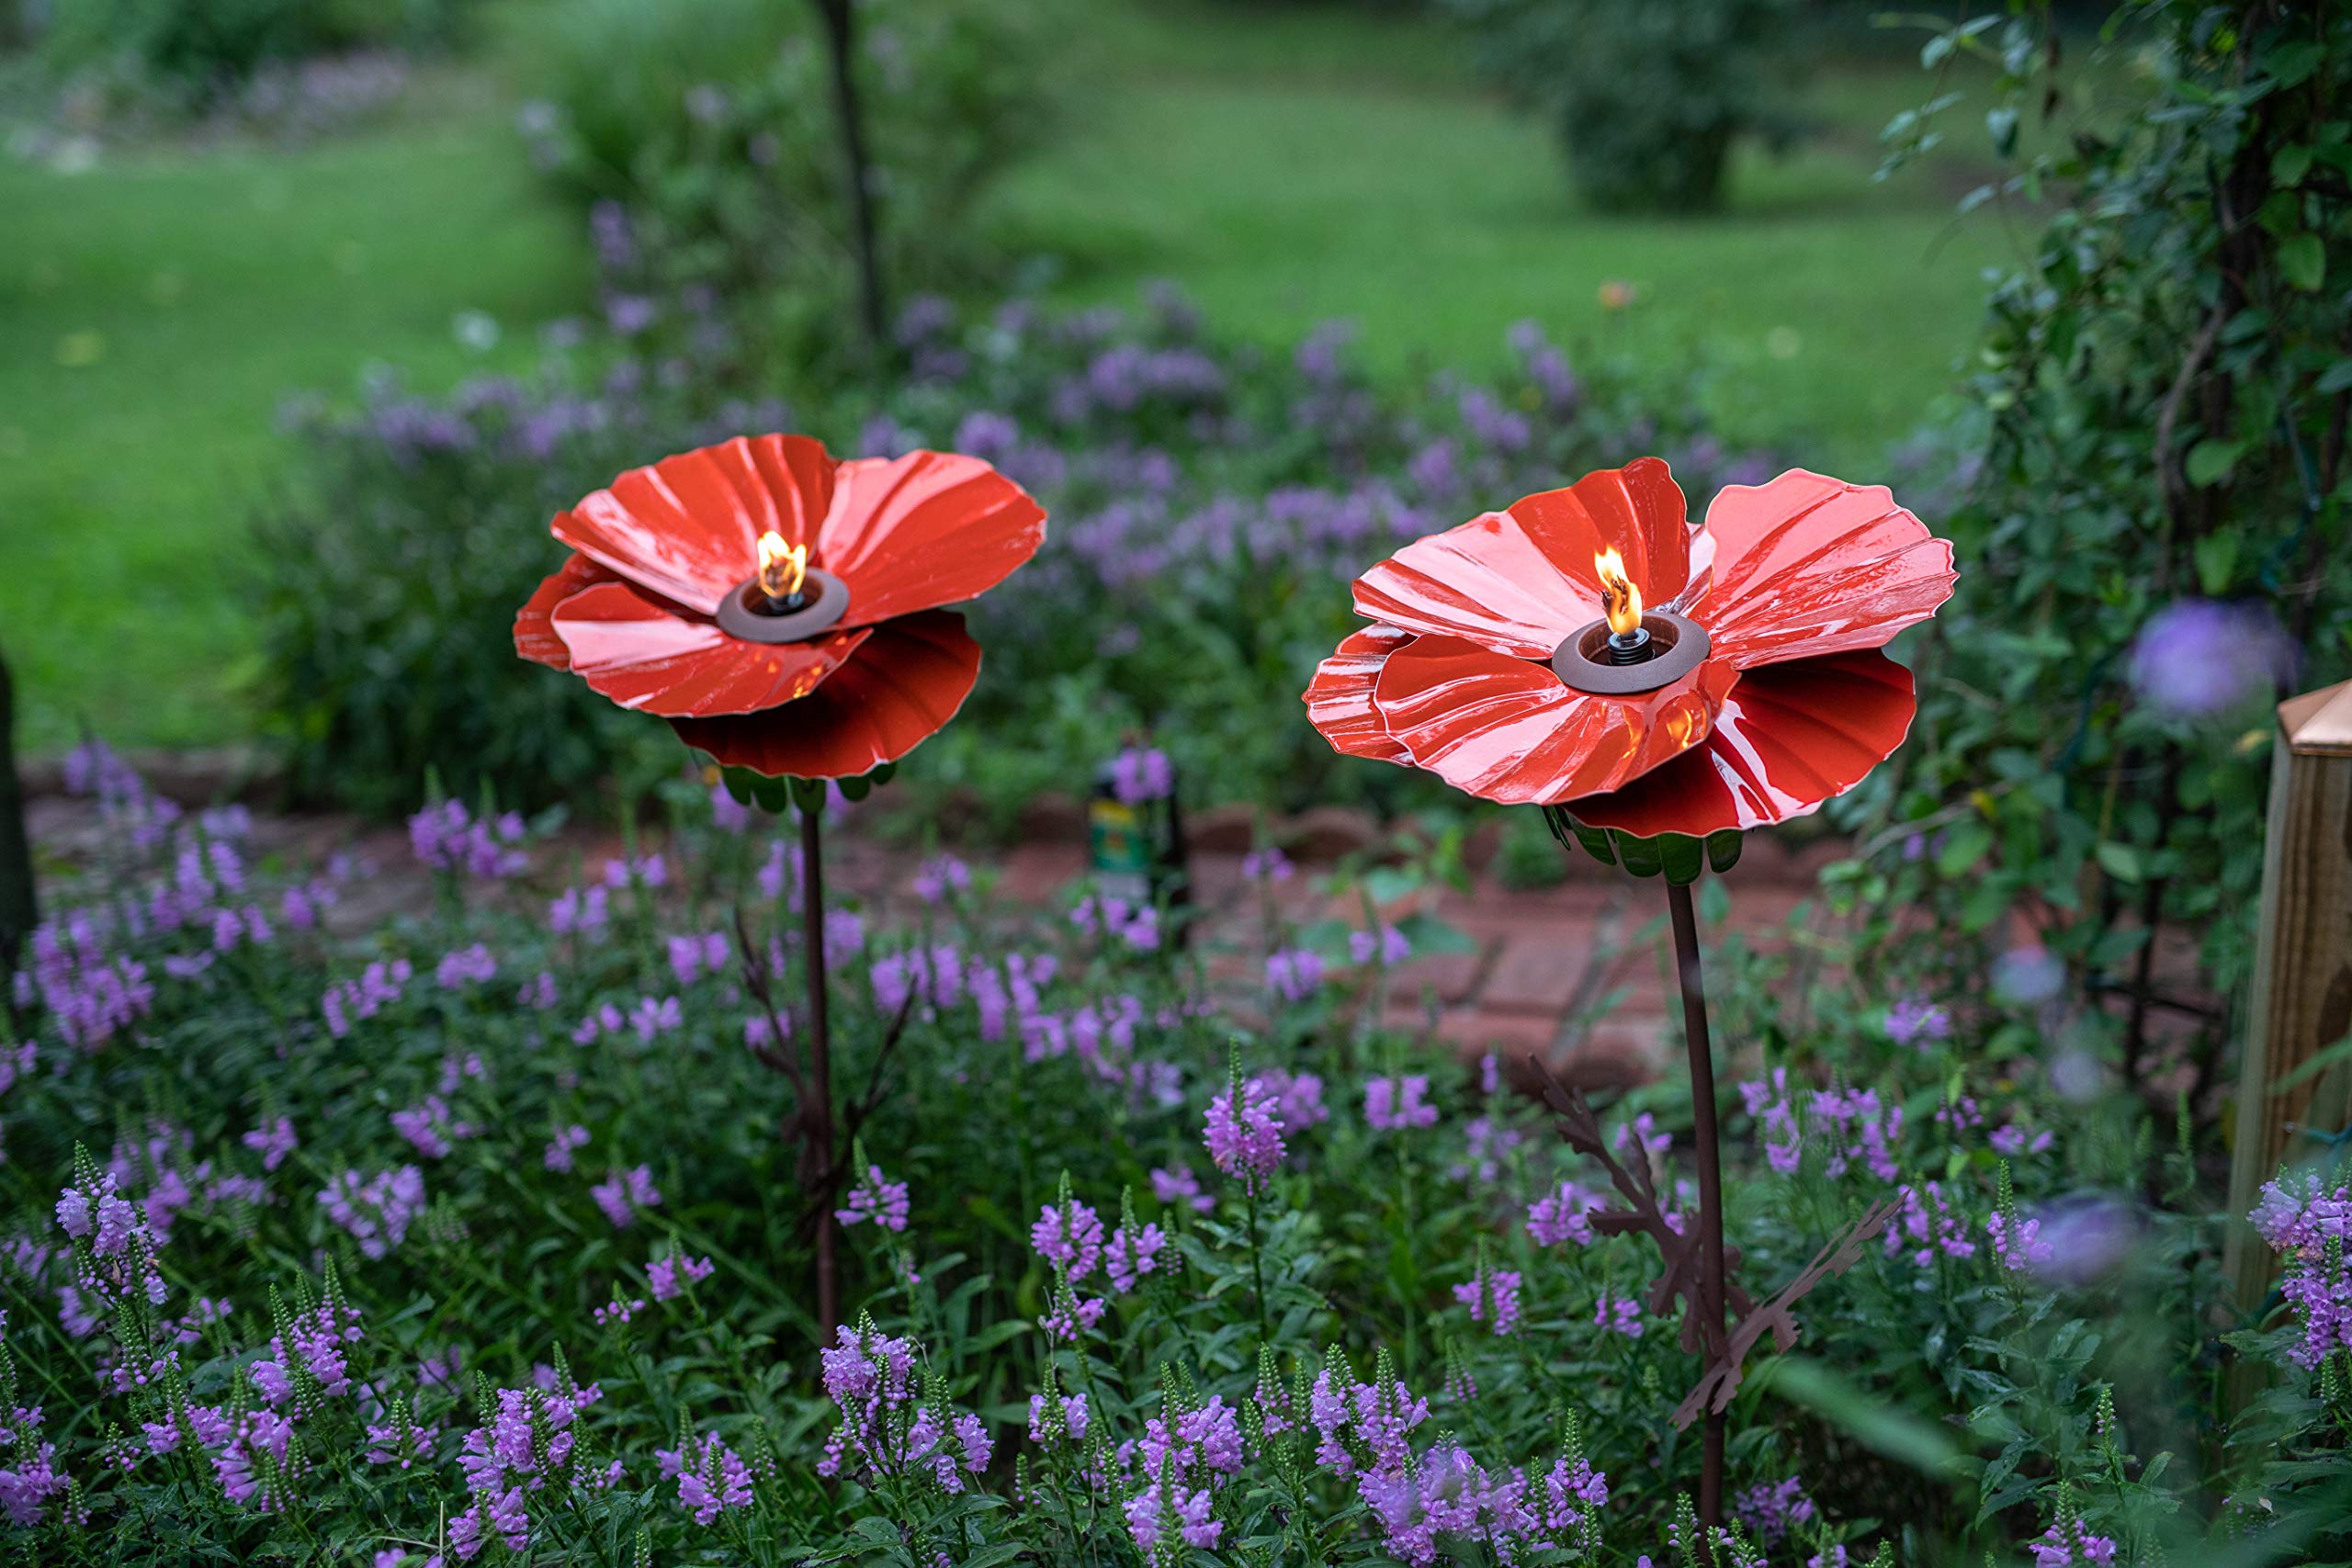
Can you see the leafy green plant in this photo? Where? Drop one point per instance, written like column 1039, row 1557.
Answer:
column 1648, row 99
column 387, row 604
column 2149, row 500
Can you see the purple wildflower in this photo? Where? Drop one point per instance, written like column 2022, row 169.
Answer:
column 877, row 1199
column 1614, row 1314
column 1392, row 1105
column 1294, row 974
column 1179, row 1186
column 622, row 1193
column 2201, row 657
column 273, row 1142
column 1243, row 1135
column 670, row 1276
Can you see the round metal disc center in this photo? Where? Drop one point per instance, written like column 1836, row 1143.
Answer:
column 1582, row 658
column 743, row 611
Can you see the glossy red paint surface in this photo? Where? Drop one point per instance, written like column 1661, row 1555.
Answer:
column 906, row 682
column 1338, row 700
column 1519, row 581
column 644, row 654
column 688, row 527
column 534, row 636
column 1791, row 736
column 904, row 534
column 1510, row 730
column 1797, row 582
column 927, row 529
column 1808, row 566
column 656, row 550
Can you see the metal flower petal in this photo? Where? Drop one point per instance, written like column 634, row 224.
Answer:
column 1340, row 698
column 688, row 527
column 1518, row 581
column 896, row 691
column 651, row 656
column 534, row 636
column 1510, row 730
column 1789, row 737
column 1807, row 565
column 931, row 528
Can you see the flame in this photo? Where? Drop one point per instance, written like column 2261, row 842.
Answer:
column 1621, row 601
column 783, row 568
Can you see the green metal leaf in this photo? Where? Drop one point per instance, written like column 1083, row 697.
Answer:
column 1722, row 849
column 1642, row 857
column 1682, row 857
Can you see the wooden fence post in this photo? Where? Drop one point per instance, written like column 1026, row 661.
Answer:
column 2301, row 998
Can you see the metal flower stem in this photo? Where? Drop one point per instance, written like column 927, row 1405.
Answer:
column 1710, row 1179
column 818, row 1121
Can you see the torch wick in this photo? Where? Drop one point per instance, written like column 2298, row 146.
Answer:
column 1632, row 648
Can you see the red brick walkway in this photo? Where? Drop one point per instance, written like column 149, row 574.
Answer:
column 1575, row 973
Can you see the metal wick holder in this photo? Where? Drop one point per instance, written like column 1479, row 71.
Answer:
column 1582, row 660
column 744, row 612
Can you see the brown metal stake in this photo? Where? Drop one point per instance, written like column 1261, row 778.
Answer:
column 818, row 1127
column 1711, row 1182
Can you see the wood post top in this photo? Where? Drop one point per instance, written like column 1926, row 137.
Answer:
column 2319, row 724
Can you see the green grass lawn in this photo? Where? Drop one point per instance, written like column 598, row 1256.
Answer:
column 155, row 311
column 1285, row 166
column 1322, row 163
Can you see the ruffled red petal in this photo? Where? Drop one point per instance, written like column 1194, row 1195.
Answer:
column 1509, row 731
column 1807, row 565
column 652, row 656
column 929, row 528
column 1338, row 700
column 688, row 527
column 1520, row 581
column 534, row 636
column 893, row 694
column 1791, row 736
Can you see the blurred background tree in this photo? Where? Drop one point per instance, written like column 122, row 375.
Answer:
column 1647, row 100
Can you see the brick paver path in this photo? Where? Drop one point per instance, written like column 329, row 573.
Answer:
column 1576, row 973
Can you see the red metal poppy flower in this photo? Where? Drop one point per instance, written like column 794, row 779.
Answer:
column 1491, row 661
column 779, row 608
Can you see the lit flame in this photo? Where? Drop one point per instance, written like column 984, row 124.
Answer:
column 783, row 567
column 1621, row 601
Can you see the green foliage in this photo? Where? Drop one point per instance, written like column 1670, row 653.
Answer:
column 1648, row 99
column 386, row 609
column 712, row 125
column 2159, row 417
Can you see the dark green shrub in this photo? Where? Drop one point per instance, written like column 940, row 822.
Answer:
column 1648, row 99
column 387, row 601
column 195, row 49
